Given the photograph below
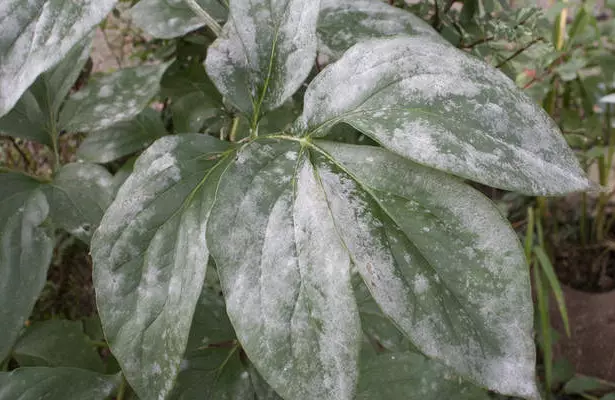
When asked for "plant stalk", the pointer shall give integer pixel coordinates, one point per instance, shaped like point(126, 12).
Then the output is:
point(204, 15)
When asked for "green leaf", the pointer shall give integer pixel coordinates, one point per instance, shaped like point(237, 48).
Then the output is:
point(38, 34)
point(78, 197)
point(265, 52)
point(57, 343)
point(35, 114)
point(122, 138)
point(344, 23)
point(112, 98)
point(168, 19)
point(56, 384)
point(440, 107)
point(150, 258)
point(584, 384)
point(438, 258)
point(26, 247)
point(285, 274)
point(411, 376)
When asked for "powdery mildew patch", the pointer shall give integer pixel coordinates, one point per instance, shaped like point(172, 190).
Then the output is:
point(37, 34)
point(266, 50)
point(438, 106)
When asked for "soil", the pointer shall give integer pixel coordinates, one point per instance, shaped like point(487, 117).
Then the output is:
point(590, 268)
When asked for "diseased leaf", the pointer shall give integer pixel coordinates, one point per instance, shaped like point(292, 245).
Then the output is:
point(440, 107)
point(344, 23)
point(439, 259)
point(57, 343)
point(35, 115)
point(78, 197)
point(112, 98)
point(122, 138)
point(411, 376)
point(38, 34)
point(26, 246)
point(56, 384)
point(168, 19)
point(266, 50)
point(285, 273)
point(150, 258)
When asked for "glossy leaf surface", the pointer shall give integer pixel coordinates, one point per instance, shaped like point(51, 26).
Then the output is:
point(122, 138)
point(38, 34)
point(112, 98)
point(150, 258)
point(266, 50)
point(168, 19)
point(26, 246)
point(56, 384)
point(440, 107)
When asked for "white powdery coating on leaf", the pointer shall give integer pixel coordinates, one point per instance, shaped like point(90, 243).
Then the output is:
point(36, 35)
point(264, 43)
point(338, 29)
point(464, 297)
point(439, 106)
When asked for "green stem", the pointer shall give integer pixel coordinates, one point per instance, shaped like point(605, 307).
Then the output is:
point(121, 392)
point(204, 15)
point(234, 126)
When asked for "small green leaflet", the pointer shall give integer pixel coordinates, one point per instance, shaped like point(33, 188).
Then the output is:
point(36, 35)
point(438, 106)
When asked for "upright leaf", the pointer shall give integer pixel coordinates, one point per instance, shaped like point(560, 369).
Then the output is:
point(35, 115)
point(266, 50)
point(115, 97)
point(78, 197)
point(36, 35)
point(57, 343)
point(440, 107)
point(411, 376)
point(150, 258)
point(168, 19)
point(122, 138)
point(26, 246)
point(285, 273)
point(344, 23)
point(56, 384)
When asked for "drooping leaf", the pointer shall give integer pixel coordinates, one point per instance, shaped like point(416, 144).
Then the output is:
point(122, 138)
point(168, 19)
point(411, 376)
point(78, 197)
point(440, 107)
point(26, 246)
point(265, 52)
point(112, 98)
point(150, 258)
point(57, 343)
point(285, 273)
point(38, 34)
point(344, 23)
point(35, 114)
point(56, 384)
